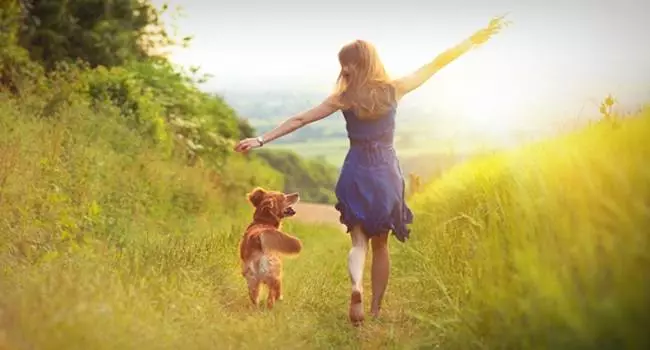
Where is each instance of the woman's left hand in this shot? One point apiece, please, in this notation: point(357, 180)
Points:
point(246, 145)
point(493, 28)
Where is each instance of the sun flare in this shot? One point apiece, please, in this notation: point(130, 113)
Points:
point(487, 111)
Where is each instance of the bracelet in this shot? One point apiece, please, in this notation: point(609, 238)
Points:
point(260, 139)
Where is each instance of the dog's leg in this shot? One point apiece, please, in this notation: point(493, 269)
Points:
point(273, 293)
point(279, 290)
point(254, 290)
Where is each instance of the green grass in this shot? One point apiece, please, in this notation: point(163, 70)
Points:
point(543, 247)
point(108, 243)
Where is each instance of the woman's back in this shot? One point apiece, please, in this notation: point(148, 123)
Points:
point(376, 129)
point(370, 189)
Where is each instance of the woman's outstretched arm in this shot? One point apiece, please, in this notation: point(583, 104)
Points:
point(414, 80)
point(322, 110)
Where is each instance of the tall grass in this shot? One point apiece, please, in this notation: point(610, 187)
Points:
point(544, 247)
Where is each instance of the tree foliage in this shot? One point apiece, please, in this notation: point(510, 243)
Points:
point(106, 53)
point(100, 32)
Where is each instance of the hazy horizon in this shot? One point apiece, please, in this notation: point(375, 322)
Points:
point(557, 60)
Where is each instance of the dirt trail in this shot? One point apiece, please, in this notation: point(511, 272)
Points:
point(317, 213)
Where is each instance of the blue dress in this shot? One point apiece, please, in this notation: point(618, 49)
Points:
point(370, 188)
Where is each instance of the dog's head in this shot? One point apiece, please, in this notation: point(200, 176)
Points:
point(272, 205)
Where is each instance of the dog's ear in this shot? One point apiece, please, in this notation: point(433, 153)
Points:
point(292, 198)
point(256, 196)
point(269, 207)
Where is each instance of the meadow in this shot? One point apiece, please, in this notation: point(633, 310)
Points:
point(106, 245)
point(121, 206)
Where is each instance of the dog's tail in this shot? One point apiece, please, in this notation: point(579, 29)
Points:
point(280, 242)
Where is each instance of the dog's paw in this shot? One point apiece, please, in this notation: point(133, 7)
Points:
point(281, 297)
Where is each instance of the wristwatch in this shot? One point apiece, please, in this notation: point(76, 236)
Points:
point(260, 139)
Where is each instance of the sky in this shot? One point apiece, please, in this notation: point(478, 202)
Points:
point(556, 61)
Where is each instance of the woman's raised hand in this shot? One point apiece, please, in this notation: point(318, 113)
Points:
point(483, 35)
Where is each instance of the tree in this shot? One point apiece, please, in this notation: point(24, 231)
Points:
point(100, 32)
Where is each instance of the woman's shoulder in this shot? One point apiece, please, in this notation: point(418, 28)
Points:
point(398, 89)
point(334, 99)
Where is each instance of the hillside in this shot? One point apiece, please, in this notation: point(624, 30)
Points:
point(542, 247)
point(314, 179)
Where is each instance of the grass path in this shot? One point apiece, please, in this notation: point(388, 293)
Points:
point(323, 264)
point(313, 314)
point(86, 305)
point(314, 311)
point(315, 213)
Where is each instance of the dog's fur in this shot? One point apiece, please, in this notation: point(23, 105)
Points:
point(263, 243)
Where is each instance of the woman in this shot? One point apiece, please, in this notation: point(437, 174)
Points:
point(370, 189)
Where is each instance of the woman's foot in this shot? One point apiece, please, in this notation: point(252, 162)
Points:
point(356, 308)
point(374, 312)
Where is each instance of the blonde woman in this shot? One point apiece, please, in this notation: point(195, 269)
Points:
point(370, 189)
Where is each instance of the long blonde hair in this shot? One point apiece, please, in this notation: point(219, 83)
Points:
point(363, 85)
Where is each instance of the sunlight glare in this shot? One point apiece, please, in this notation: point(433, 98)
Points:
point(487, 111)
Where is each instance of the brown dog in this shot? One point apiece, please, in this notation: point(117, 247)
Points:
point(263, 243)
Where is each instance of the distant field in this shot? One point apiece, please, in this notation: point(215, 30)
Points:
point(425, 160)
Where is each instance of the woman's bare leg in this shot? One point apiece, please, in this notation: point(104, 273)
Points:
point(356, 262)
point(380, 271)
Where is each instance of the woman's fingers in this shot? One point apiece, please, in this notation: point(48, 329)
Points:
point(245, 145)
point(485, 34)
point(241, 146)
